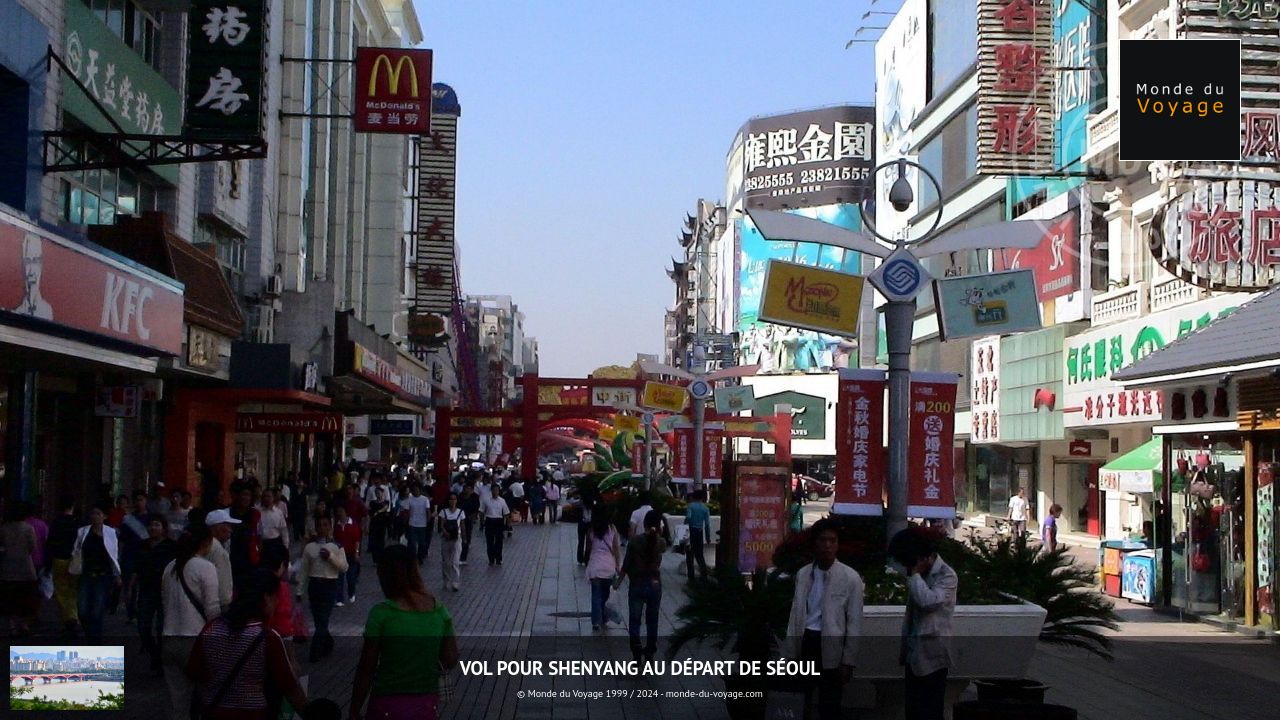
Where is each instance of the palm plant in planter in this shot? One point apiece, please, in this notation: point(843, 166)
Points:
point(738, 615)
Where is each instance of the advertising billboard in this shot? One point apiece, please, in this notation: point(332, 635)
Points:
point(779, 349)
point(811, 298)
point(393, 91)
point(809, 158)
point(902, 82)
point(1055, 260)
point(992, 304)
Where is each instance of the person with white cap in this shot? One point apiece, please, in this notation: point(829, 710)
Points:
point(219, 522)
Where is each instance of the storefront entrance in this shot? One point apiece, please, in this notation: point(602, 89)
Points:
point(1207, 515)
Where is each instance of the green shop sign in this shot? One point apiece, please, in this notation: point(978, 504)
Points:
point(808, 413)
point(131, 92)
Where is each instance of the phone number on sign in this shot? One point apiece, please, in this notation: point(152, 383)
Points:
point(812, 175)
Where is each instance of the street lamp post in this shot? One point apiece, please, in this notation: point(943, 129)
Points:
point(900, 278)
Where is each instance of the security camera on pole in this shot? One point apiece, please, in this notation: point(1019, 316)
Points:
point(900, 278)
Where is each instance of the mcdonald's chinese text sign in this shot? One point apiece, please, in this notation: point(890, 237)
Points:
point(930, 486)
point(393, 91)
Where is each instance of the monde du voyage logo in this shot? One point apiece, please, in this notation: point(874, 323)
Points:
point(1180, 100)
point(393, 91)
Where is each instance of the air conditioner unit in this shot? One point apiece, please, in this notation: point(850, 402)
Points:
point(263, 331)
point(274, 287)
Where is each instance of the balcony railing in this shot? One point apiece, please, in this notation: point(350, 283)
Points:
point(1123, 303)
point(1171, 291)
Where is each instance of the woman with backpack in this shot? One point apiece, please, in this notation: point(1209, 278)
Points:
point(643, 566)
point(450, 522)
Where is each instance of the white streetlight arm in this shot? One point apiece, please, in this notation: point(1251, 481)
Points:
point(655, 368)
point(1017, 234)
point(729, 372)
point(774, 225)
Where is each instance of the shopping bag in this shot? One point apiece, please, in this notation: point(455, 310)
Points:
point(46, 584)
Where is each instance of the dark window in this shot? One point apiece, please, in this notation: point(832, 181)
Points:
point(14, 124)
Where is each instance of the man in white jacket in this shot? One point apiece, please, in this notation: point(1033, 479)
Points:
point(826, 618)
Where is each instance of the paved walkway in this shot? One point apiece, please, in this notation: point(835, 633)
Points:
point(537, 607)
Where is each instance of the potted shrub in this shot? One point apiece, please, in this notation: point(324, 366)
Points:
point(743, 617)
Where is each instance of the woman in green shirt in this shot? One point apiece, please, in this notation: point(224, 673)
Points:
point(408, 642)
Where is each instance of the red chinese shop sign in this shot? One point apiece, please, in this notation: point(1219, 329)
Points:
point(762, 514)
point(1222, 235)
point(712, 453)
point(1056, 260)
point(931, 462)
point(860, 459)
point(288, 422)
point(48, 278)
point(393, 91)
point(1015, 87)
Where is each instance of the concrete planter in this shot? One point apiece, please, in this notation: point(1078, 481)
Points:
point(675, 521)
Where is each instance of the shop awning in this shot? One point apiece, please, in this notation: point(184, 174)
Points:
point(1137, 471)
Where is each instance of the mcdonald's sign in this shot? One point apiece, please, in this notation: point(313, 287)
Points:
point(393, 91)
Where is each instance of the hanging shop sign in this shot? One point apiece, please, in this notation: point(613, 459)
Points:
point(1055, 261)
point(860, 458)
point(931, 489)
point(288, 422)
point(45, 277)
point(390, 426)
point(613, 397)
point(1080, 448)
point(984, 396)
point(393, 91)
point(435, 256)
point(386, 374)
point(762, 514)
point(809, 159)
point(627, 423)
point(735, 398)
point(808, 413)
point(203, 348)
point(1015, 87)
point(811, 298)
point(117, 401)
point(661, 396)
point(1090, 397)
point(993, 304)
point(225, 44)
point(1199, 403)
point(1221, 235)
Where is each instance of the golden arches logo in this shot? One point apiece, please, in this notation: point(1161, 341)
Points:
point(393, 75)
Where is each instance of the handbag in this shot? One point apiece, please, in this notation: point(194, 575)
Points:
point(198, 712)
point(46, 584)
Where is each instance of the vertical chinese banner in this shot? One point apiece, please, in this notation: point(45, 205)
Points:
point(762, 514)
point(1015, 87)
point(712, 453)
point(682, 455)
point(931, 460)
point(860, 443)
point(225, 48)
point(637, 455)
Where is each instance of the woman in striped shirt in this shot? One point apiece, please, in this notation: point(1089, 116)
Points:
point(237, 655)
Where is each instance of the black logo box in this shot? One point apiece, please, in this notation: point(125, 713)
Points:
point(1187, 68)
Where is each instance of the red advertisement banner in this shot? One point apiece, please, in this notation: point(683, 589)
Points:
point(637, 456)
point(48, 278)
point(712, 455)
point(762, 514)
point(930, 481)
point(860, 454)
point(682, 455)
point(393, 91)
point(1056, 260)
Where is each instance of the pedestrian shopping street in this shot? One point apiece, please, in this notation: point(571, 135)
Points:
point(536, 606)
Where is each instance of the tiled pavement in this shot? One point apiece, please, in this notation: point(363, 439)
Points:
point(536, 607)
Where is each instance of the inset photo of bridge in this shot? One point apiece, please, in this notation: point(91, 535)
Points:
point(66, 677)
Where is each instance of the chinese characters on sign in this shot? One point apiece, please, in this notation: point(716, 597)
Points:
point(984, 397)
point(931, 489)
point(860, 456)
point(393, 91)
point(1015, 87)
point(682, 455)
point(1091, 397)
point(434, 248)
point(807, 159)
point(1249, 9)
point(1056, 260)
point(613, 397)
point(224, 67)
point(682, 458)
point(1225, 234)
point(762, 514)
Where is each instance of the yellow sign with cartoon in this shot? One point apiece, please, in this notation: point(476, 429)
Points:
point(812, 298)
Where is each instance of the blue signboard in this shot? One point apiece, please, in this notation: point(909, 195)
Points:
point(384, 426)
point(1077, 44)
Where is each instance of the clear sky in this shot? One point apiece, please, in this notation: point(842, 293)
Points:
point(86, 651)
point(589, 130)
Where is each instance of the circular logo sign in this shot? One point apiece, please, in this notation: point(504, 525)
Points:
point(901, 277)
point(700, 389)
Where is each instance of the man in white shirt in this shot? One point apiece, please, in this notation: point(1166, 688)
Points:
point(419, 507)
point(1018, 513)
point(637, 517)
point(495, 524)
point(219, 523)
point(826, 618)
point(273, 527)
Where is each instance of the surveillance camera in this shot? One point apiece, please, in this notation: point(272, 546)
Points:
point(900, 195)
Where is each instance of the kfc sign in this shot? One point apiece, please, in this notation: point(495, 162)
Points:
point(393, 91)
point(45, 277)
point(1056, 260)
